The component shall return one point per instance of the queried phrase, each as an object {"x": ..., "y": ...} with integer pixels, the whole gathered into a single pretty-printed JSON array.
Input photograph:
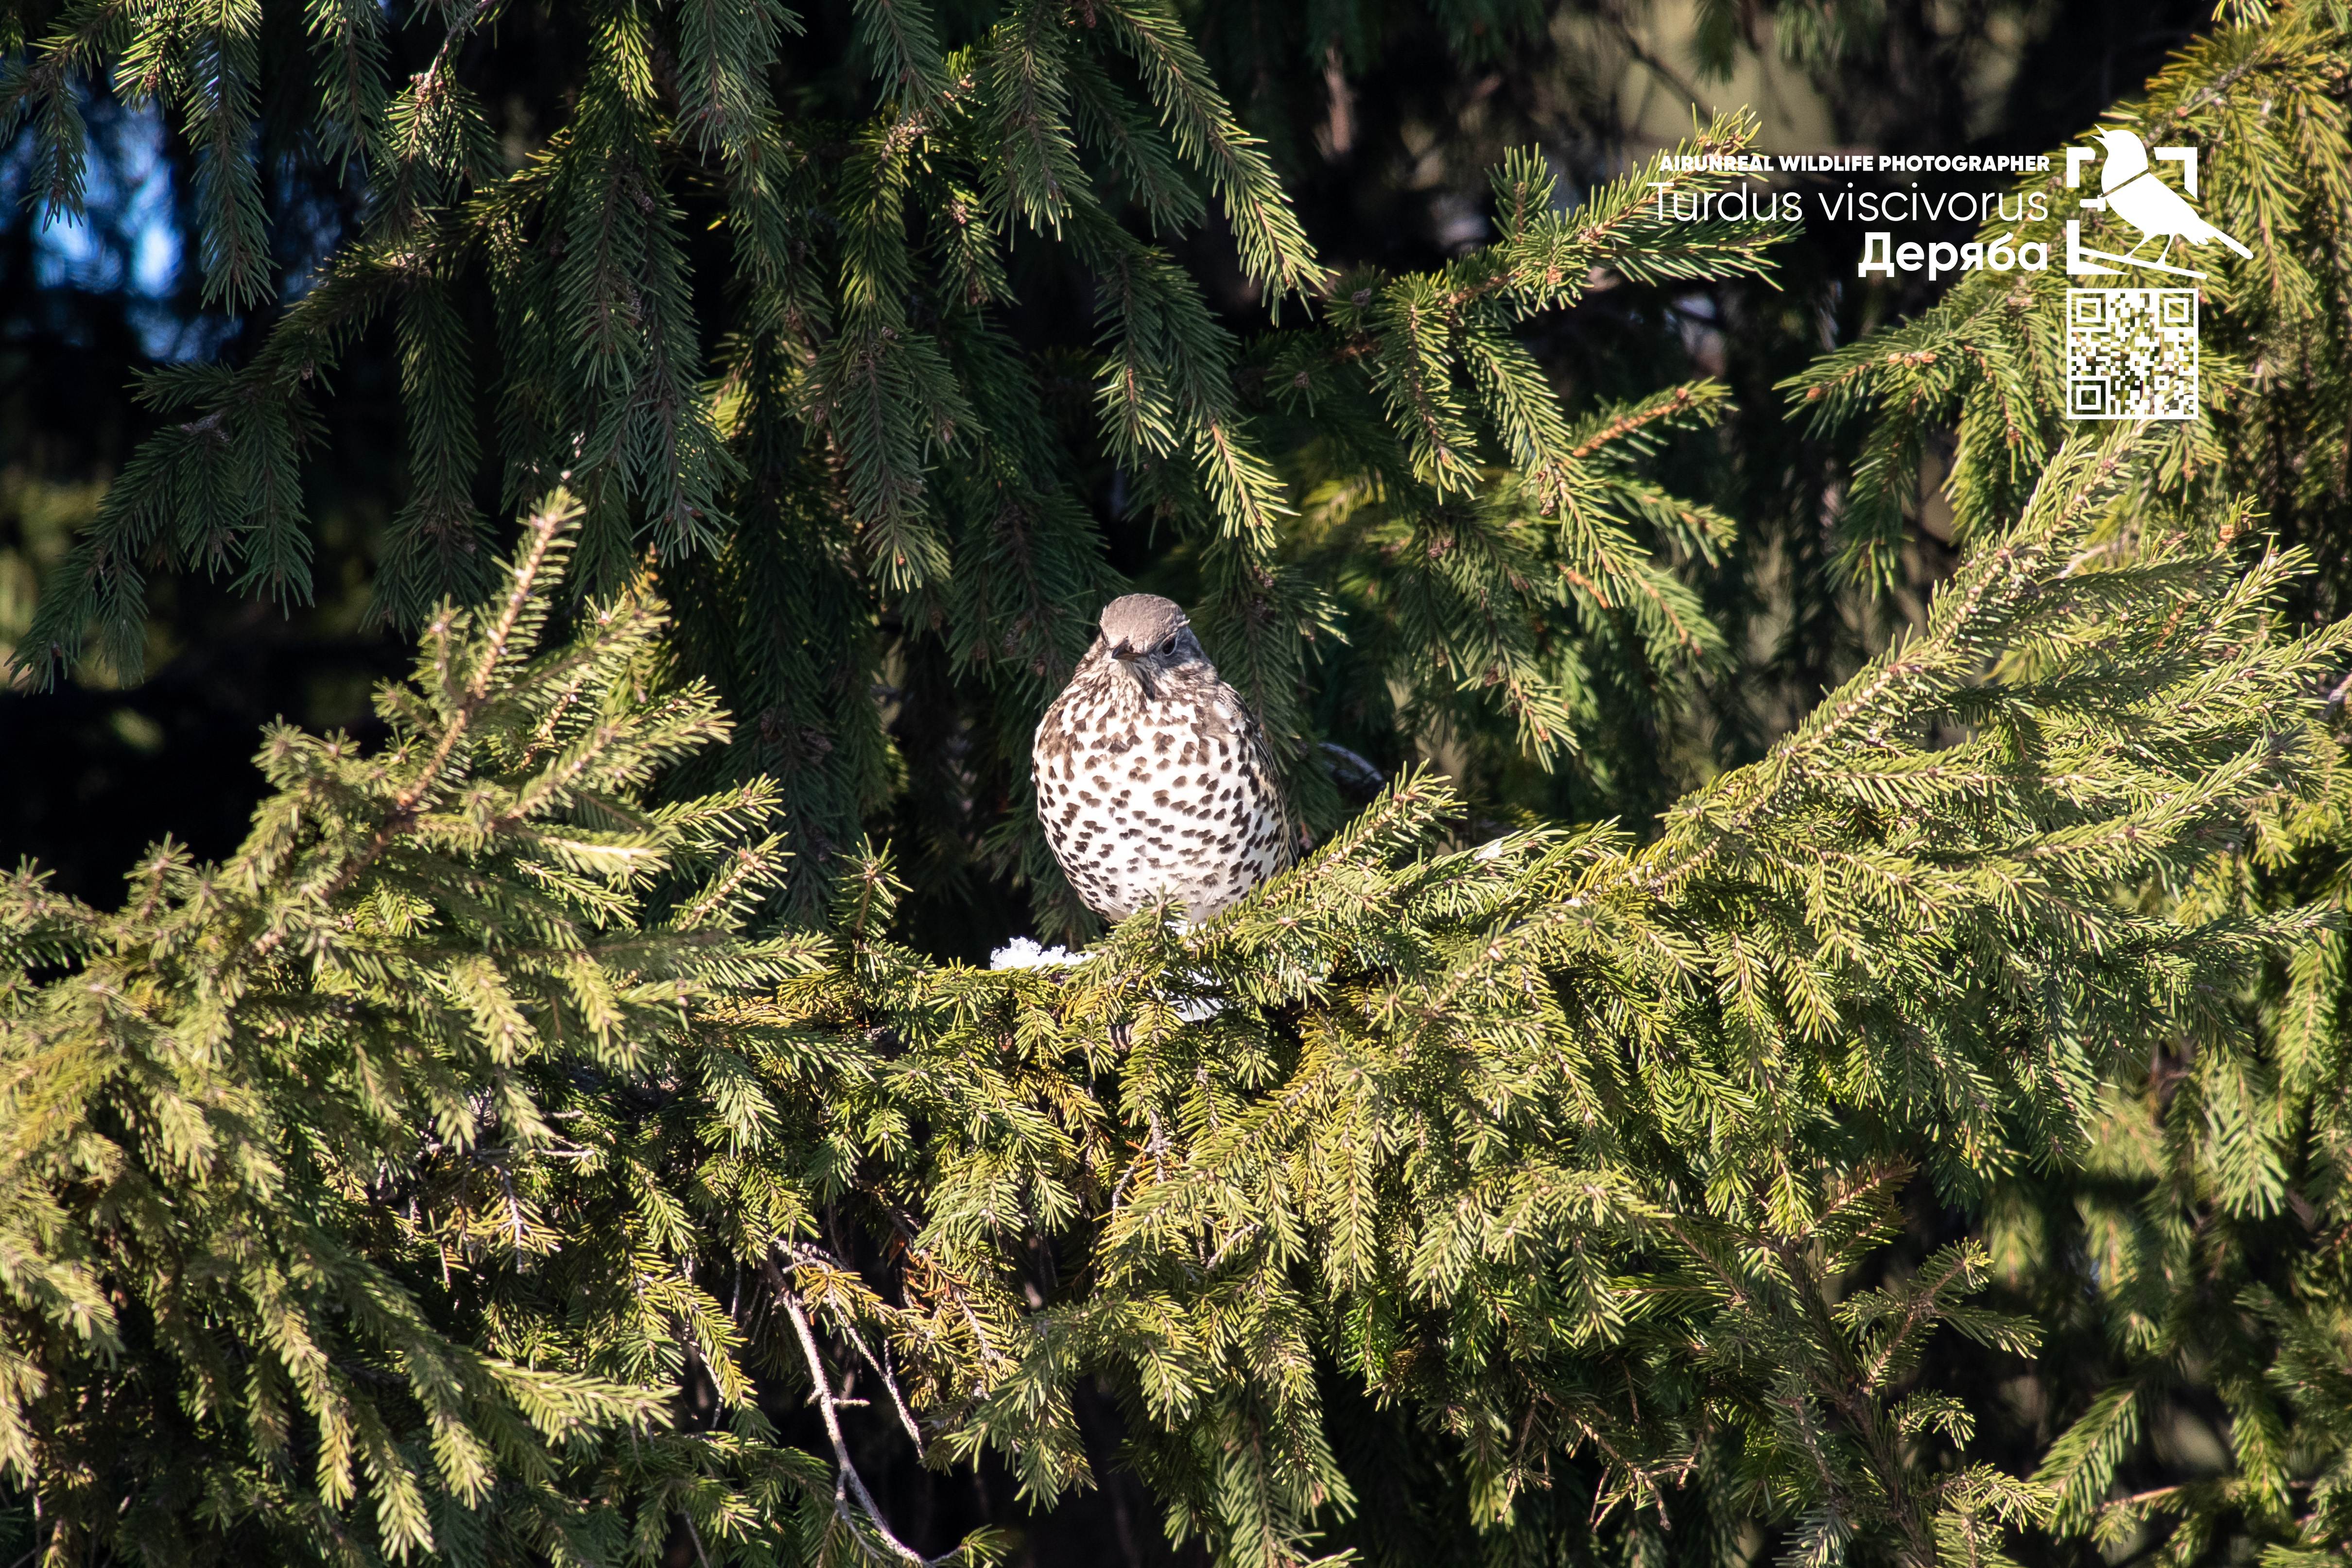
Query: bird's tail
[{"x": 2212, "y": 232}]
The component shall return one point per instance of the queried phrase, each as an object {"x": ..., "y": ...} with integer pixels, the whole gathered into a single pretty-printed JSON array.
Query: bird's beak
[{"x": 1131, "y": 660}]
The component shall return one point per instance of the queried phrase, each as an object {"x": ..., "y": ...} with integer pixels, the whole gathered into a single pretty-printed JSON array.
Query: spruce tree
[
  {"x": 375, "y": 1191},
  {"x": 552, "y": 1137},
  {"x": 2197, "y": 1263},
  {"x": 865, "y": 441}
]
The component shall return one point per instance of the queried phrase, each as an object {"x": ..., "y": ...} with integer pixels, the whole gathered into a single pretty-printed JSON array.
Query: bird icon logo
[{"x": 2130, "y": 188}]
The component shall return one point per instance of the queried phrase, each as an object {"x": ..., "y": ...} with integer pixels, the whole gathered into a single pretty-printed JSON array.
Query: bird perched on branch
[
  {"x": 2135, "y": 194},
  {"x": 1153, "y": 779}
]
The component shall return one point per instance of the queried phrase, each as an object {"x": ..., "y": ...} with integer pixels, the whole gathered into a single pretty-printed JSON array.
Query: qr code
[{"x": 2131, "y": 353}]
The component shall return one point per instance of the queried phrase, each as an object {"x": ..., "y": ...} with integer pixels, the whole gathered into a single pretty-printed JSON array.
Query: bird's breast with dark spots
[{"x": 1133, "y": 777}]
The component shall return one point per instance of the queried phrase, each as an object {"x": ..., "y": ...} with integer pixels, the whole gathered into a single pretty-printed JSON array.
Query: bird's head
[
  {"x": 1146, "y": 634},
  {"x": 2126, "y": 154}
]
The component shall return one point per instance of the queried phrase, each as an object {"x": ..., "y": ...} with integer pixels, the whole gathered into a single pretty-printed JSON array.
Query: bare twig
[
  {"x": 844, "y": 1471},
  {"x": 881, "y": 1368}
]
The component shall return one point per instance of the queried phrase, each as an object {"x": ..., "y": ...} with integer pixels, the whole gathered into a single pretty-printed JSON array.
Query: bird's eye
[{"x": 1168, "y": 644}]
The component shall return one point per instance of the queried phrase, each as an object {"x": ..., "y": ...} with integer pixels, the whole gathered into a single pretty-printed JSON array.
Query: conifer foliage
[
  {"x": 867, "y": 438},
  {"x": 2196, "y": 1260},
  {"x": 862, "y": 437},
  {"x": 541, "y": 1141},
  {"x": 375, "y": 1191},
  {"x": 270, "y": 1122}
]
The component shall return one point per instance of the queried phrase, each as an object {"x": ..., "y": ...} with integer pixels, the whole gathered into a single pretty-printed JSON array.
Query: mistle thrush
[{"x": 1152, "y": 779}]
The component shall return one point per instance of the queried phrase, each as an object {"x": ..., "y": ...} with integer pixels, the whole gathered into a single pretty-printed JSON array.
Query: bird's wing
[
  {"x": 2206, "y": 231},
  {"x": 1257, "y": 756},
  {"x": 2152, "y": 207},
  {"x": 2155, "y": 208},
  {"x": 2181, "y": 218}
]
